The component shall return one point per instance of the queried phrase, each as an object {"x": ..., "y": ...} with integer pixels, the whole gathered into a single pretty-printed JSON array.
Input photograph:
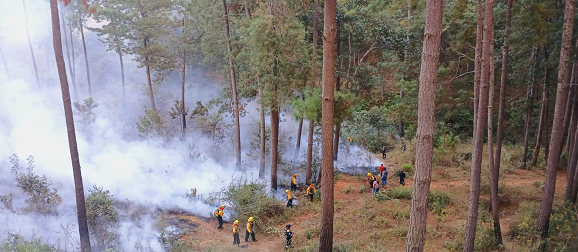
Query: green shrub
[
  {"x": 362, "y": 189},
  {"x": 408, "y": 168},
  {"x": 15, "y": 242},
  {"x": 246, "y": 199},
  {"x": 102, "y": 219},
  {"x": 347, "y": 189},
  {"x": 437, "y": 200},
  {"x": 42, "y": 199},
  {"x": 399, "y": 193},
  {"x": 381, "y": 196}
]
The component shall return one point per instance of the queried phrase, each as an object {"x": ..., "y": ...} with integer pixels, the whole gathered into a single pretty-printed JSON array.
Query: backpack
[{"x": 216, "y": 213}]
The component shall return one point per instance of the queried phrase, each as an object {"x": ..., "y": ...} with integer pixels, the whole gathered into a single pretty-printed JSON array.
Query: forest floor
[{"x": 361, "y": 223}]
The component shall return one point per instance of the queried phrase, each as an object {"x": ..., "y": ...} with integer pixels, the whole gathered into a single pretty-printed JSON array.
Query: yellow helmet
[
  {"x": 287, "y": 191},
  {"x": 250, "y": 218},
  {"x": 236, "y": 222},
  {"x": 369, "y": 174},
  {"x": 222, "y": 206}
]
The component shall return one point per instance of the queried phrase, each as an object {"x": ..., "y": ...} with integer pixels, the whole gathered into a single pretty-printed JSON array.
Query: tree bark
[
  {"x": 79, "y": 190},
  {"x": 494, "y": 173},
  {"x": 73, "y": 66},
  {"x": 425, "y": 125},
  {"x": 571, "y": 169},
  {"x": 30, "y": 45},
  {"x": 274, "y": 144},
  {"x": 478, "y": 57},
  {"x": 471, "y": 224},
  {"x": 308, "y": 168},
  {"x": 557, "y": 128},
  {"x": 183, "y": 112},
  {"x": 328, "y": 105},
  {"x": 298, "y": 144},
  {"x": 337, "y": 89},
  {"x": 541, "y": 124},
  {"x": 151, "y": 93},
  {"x": 85, "y": 56},
  {"x": 262, "y": 127},
  {"x": 68, "y": 57},
  {"x": 234, "y": 88},
  {"x": 530, "y": 101},
  {"x": 572, "y": 147}
]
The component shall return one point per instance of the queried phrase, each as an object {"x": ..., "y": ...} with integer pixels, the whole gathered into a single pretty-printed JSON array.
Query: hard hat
[
  {"x": 288, "y": 225},
  {"x": 312, "y": 185},
  {"x": 222, "y": 206},
  {"x": 236, "y": 222},
  {"x": 369, "y": 174},
  {"x": 294, "y": 175},
  {"x": 250, "y": 218},
  {"x": 287, "y": 191}
]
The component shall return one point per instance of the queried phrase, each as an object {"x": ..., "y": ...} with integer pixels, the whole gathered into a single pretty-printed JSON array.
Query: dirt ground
[{"x": 363, "y": 224}]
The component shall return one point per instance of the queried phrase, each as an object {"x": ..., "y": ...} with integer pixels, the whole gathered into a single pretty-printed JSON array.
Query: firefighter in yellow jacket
[
  {"x": 294, "y": 183},
  {"x": 236, "y": 240},
  {"x": 311, "y": 192},
  {"x": 250, "y": 230},
  {"x": 220, "y": 217},
  {"x": 289, "y": 199},
  {"x": 370, "y": 179}
]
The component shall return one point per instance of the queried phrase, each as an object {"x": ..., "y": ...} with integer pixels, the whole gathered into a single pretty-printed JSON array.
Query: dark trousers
[
  {"x": 310, "y": 196},
  {"x": 288, "y": 243},
  {"x": 252, "y": 236},
  {"x": 236, "y": 239},
  {"x": 220, "y": 219},
  {"x": 290, "y": 203},
  {"x": 402, "y": 181},
  {"x": 293, "y": 187}
]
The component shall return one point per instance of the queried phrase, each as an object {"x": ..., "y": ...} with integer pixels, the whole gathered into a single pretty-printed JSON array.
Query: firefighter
[
  {"x": 370, "y": 179},
  {"x": 250, "y": 230},
  {"x": 220, "y": 217},
  {"x": 289, "y": 199},
  {"x": 288, "y": 236},
  {"x": 294, "y": 182},
  {"x": 236, "y": 240},
  {"x": 311, "y": 192}
]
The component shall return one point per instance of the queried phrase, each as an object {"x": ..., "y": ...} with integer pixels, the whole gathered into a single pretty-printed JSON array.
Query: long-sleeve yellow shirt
[
  {"x": 311, "y": 190},
  {"x": 289, "y": 196},
  {"x": 250, "y": 227},
  {"x": 294, "y": 180},
  {"x": 235, "y": 229}
]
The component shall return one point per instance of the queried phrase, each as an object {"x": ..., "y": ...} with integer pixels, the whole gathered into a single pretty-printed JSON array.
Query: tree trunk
[
  {"x": 337, "y": 89},
  {"x": 234, "y": 88},
  {"x": 547, "y": 122},
  {"x": 328, "y": 105},
  {"x": 575, "y": 184},
  {"x": 478, "y": 148},
  {"x": 4, "y": 61},
  {"x": 274, "y": 144},
  {"x": 530, "y": 102},
  {"x": 183, "y": 112},
  {"x": 308, "y": 168},
  {"x": 150, "y": 84},
  {"x": 425, "y": 125},
  {"x": 68, "y": 57},
  {"x": 478, "y": 57},
  {"x": 79, "y": 190},
  {"x": 557, "y": 127},
  {"x": 30, "y": 45},
  {"x": 85, "y": 56},
  {"x": 494, "y": 173},
  {"x": 298, "y": 145},
  {"x": 122, "y": 77},
  {"x": 400, "y": 130},
  {"x": 571, "y": 169},
  {"x": 73, "y": 66},
  {"x": 541, "y": 124},
  {"x": 262, "y": 127},
  {"x": 572, "y": 147}
]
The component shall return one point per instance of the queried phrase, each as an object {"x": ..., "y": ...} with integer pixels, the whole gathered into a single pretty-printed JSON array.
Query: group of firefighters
[{"x": 373, "y": 183}]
